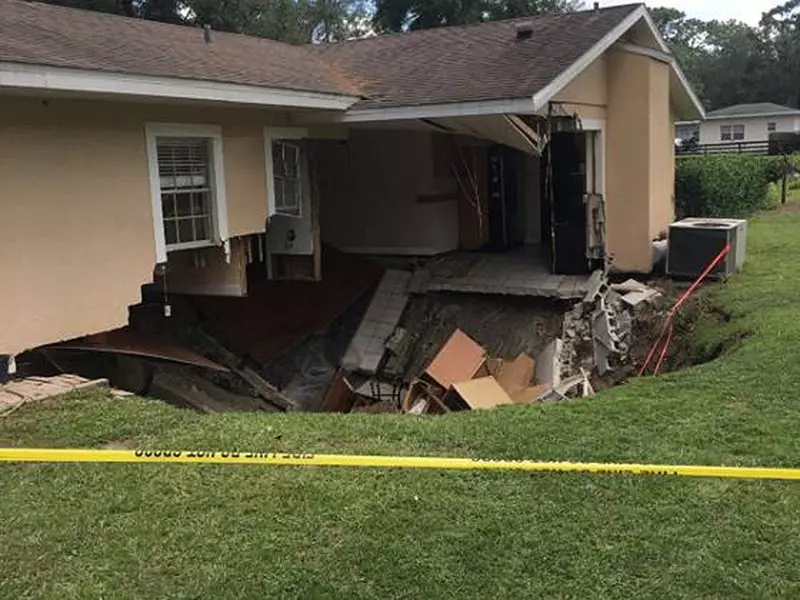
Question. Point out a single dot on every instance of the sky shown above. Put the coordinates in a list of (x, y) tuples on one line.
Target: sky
[(748, 11)]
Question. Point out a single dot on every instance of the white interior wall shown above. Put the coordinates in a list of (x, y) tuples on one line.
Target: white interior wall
[(374, 206)]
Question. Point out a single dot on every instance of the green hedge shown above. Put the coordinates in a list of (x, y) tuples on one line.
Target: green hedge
[(724, 185)]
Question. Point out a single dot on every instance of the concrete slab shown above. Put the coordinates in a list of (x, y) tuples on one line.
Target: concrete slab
[(368, 345), (548, 364), (511, 273), (17, 392)]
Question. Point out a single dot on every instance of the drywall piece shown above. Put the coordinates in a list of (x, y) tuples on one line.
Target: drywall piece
[(515, 374), (548, 363), (482, 394), (635, 299), (368, 346), (631, 285), (209, 271), (419, 407), (562, 391), (460, 359)]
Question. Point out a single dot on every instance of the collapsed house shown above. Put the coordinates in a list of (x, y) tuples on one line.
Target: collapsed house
[(145, 164)]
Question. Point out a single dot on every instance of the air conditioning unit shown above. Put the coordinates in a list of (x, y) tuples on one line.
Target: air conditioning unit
[(694, 243)]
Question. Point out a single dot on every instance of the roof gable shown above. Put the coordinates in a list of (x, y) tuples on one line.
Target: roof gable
[(470, 63)]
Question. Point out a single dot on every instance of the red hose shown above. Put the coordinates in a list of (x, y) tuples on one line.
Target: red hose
[(669, 325)]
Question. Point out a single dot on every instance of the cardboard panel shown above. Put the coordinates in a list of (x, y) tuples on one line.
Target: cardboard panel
[(482, 394), (458, 360)]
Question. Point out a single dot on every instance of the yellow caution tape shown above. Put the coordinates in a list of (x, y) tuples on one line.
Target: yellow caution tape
[(47, 455)]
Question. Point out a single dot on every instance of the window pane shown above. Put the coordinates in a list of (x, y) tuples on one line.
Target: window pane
[(200, 204), (168, 205), (277, 159), (292, 160), (185, 231), (183, 204), (201, 228), (292, 191), (170, 232)]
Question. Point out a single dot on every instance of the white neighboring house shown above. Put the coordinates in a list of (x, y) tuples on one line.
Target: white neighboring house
[(740, 123)]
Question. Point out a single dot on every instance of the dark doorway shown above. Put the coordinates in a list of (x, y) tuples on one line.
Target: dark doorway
[(564, 224), (506, 217)]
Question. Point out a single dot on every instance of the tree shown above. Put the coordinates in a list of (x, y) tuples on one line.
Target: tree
[(781, 28), (400, 15), (157, 10)]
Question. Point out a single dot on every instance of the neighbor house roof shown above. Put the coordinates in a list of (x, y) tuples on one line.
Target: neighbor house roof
[(472, 62), (758, 109)]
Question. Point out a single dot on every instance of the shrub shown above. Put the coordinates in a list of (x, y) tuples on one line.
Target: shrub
[(724, 185)]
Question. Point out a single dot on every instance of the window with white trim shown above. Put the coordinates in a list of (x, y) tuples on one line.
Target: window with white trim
[(287, 176), (185, 174), (729, 133), (772, 126), (187, 186)]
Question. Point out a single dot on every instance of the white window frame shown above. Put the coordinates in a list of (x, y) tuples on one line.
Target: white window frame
[(219, 211), (726, 130), (733, 132), (275, 134), (772, 126)]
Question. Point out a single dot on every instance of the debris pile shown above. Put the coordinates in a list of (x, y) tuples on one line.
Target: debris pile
[(382, 372), (463, 376), (597, 332)]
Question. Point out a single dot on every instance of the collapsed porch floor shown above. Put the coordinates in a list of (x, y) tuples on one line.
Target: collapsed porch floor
[(518, 273)]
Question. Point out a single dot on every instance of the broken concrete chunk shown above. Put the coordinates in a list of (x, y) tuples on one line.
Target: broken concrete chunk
[(604, 329), (548, 363), (601, 357), (596, 287)]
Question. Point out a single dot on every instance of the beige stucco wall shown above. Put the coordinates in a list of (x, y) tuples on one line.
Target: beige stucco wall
[(628, 166), (588, 88), (662, 148), (377, 208), (76, 233)]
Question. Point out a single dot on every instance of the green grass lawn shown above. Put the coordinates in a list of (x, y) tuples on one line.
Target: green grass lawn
[(212, 531)]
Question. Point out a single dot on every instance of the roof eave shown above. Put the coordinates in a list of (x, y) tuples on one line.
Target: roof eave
[(442, 110), (24, 76), (753, 116)]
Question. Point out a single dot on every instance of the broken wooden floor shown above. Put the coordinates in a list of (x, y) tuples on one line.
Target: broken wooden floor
[(511, 273)]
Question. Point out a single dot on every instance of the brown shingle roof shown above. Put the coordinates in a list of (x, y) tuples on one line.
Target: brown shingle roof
[(471, 62), (44, 34), (445, 65)]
